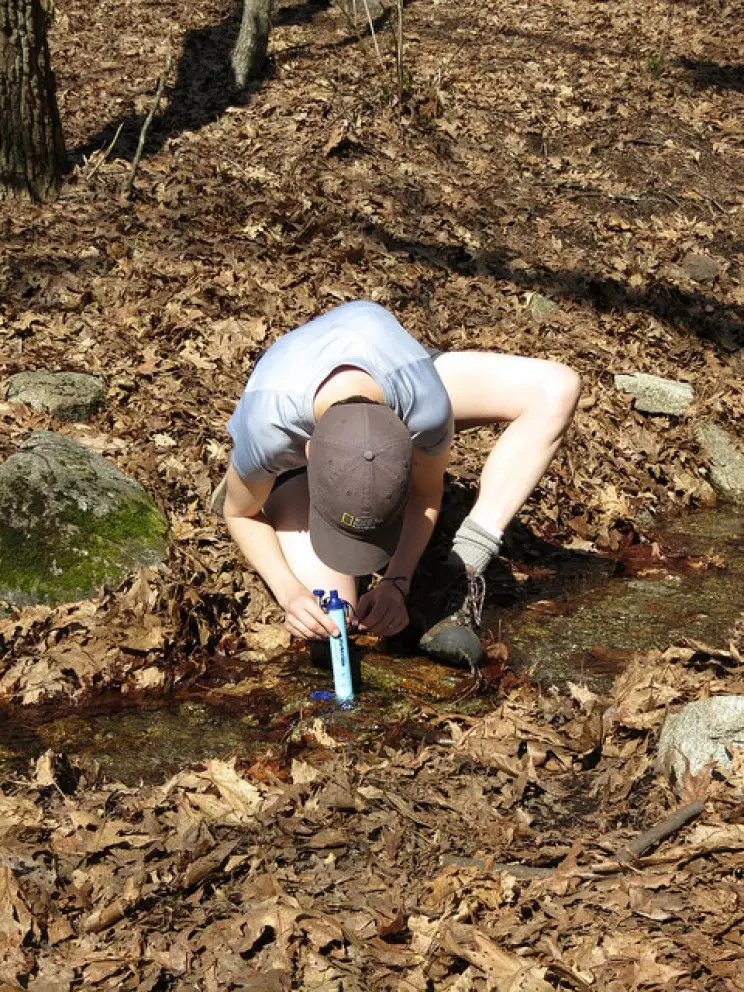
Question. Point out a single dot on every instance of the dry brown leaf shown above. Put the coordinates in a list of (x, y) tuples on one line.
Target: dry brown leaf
[(503, 972), (16, 922)]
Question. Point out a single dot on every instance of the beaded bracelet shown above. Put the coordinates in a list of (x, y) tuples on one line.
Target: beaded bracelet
[(395, 579)]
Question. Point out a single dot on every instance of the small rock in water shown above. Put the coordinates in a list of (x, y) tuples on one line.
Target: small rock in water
[(64, 395), (700, 268), (654, 394), (726, 460), (702, 732)]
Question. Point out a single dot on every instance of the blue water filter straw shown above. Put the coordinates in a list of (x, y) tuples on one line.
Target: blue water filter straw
[(336, 608)]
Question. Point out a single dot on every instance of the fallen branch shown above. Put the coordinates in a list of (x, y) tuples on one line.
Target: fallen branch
[(633, 851), (514, 868), (106, 153), (148, 120), (668, 826)]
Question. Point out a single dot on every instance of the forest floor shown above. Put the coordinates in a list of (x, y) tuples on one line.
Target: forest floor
[(577, 150)]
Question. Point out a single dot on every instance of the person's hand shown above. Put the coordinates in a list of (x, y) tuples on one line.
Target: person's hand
[(305, 619), (382, 610)]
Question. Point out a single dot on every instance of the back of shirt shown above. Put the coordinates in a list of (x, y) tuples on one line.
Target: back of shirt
[(274, 418)]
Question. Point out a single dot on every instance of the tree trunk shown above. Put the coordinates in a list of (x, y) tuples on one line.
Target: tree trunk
[(249, 54), (32, 151)]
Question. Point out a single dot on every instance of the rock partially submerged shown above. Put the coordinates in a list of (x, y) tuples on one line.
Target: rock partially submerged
[(654, 394), (64, 395), (70, 521), (703, 732), (726, 460)]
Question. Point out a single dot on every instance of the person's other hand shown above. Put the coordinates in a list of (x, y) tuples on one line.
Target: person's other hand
[(382, 610), (305, 619)]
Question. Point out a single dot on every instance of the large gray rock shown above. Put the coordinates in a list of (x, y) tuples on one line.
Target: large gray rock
[(726, 460), (700, 733), (64, 395), (654, 394), (69, 521)]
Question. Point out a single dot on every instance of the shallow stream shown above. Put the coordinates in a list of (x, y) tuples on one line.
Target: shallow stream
[(594, 625), (579, 619)]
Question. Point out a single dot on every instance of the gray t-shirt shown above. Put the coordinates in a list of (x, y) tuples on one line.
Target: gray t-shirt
[(274, 417)]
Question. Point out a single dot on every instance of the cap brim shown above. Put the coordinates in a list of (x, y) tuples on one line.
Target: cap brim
[(352, 555)]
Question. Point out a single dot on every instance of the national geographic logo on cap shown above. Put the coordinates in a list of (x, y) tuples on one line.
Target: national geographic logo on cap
[(361, 524)]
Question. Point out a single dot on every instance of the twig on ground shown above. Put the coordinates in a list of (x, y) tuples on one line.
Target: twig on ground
[(106, 154), (515, 869), (476, 683), (667, 196), (650, 838), (668, 826), (711, 201), (148, 120)]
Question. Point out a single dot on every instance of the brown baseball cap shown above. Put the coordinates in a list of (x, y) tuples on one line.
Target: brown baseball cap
[(358, 474)]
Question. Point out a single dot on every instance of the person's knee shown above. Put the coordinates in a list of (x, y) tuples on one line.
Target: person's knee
[(561, 394)]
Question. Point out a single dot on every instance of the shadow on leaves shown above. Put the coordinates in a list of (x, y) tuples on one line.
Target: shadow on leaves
[(695, 312), (203, 90), (712, 75)]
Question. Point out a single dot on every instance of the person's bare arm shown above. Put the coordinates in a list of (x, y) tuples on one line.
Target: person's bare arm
[(259, 544), (422, 512), (383, 610)]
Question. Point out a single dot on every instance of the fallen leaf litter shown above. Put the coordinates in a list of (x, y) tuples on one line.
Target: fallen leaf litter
[(543, 155), (537, 847)]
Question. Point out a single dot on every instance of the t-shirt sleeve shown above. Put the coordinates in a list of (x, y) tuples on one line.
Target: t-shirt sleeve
[(261, 447), (436, 439), (426, 407)]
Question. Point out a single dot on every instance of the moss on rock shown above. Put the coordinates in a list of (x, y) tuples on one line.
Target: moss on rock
[(70, 521)]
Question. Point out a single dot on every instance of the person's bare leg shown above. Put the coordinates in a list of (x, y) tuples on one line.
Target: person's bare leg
[(287, 511), (537, 398)]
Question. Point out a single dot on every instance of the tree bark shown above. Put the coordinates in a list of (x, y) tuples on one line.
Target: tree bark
[(249, 54), (32, 151)]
